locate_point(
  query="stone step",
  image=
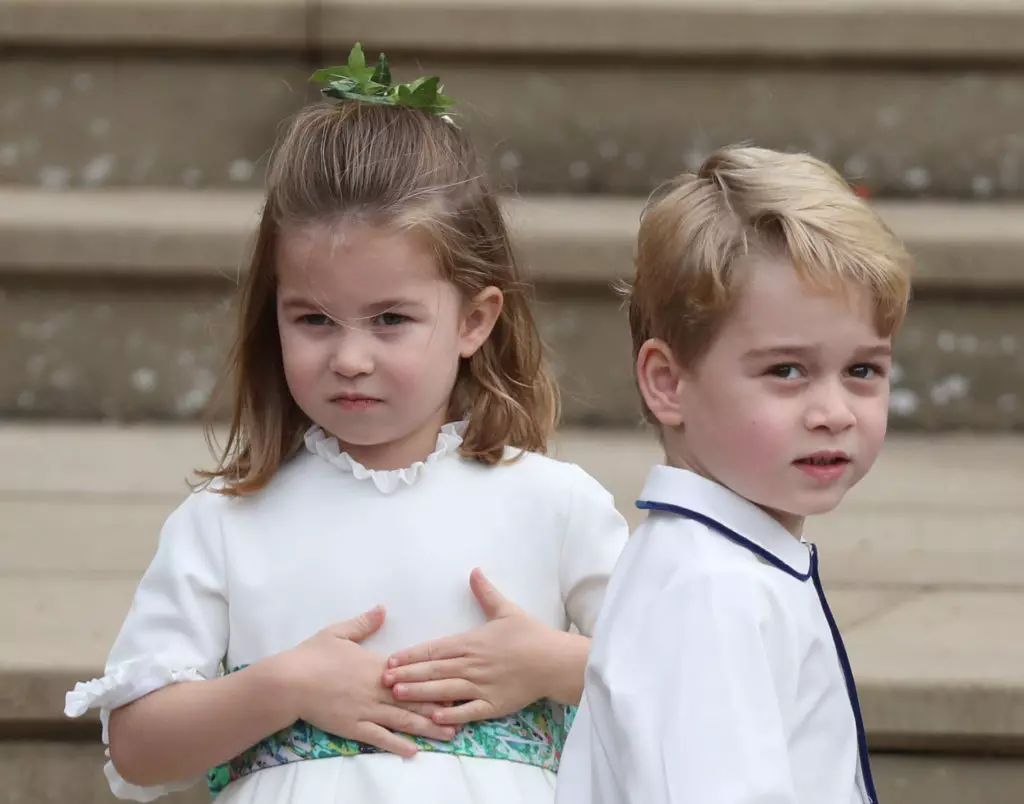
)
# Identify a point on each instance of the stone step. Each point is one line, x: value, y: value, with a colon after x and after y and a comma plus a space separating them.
x: 923, y: 566
x: 909, y: 97
x: 51, y: 772
x: 116, y: 303
x: 910, y: 30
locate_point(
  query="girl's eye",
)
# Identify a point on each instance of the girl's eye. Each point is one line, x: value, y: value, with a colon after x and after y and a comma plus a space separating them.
x: 389, y: 320
x: 785, y: 371
x: 866, y: 371
x: 316, y: 320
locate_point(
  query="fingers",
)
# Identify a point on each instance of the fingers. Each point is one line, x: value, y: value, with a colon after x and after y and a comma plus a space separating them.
x: 440, y: 649
x: 427, y: 710
x: 359, y: 628
x: 399, y: 719
x: 372, y: 734
x: 425, y: 671
x: 450, y: 689
x: 465, y: 713
x: 492, y: 602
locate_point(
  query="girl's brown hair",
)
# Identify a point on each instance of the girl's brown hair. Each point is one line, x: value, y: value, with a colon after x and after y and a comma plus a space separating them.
x: 393, y: 167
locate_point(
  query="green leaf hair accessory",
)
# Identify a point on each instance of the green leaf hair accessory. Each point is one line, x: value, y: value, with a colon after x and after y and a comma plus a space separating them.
x: 357, y: 82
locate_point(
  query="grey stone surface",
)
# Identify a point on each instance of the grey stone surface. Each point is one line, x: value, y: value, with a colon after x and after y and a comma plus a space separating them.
x: 182, y: 234
x: 156, y: 23
x: 909, y: 29
x: 909, y: 779
x: 97, y: 120
x: 51, y: 772
x: 203, y: 121
x: 136, y: 350
x: 69, y: 773
x: 853, y: 29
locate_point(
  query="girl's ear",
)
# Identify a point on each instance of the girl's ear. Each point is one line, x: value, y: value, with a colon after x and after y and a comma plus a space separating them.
x: 481, y: 314
x: 660, y: 380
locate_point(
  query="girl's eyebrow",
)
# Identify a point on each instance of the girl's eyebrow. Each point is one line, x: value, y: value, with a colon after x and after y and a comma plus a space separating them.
x: 298, y: 301
x: 390, y: 304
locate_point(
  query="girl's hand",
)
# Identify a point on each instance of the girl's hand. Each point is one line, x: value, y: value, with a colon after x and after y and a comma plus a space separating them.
x: 493, y: 670
x: 337, y: 687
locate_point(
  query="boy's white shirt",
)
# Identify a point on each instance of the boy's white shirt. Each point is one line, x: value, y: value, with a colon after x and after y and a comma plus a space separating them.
x: 713, y: 674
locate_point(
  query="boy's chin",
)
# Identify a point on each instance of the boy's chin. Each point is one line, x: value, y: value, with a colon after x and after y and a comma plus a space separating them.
x: 815, y: 503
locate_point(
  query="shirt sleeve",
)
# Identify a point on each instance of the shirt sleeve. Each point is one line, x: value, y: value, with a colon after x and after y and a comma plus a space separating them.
x: 594, y: 537
x: 176, y: 629
x: 687, y: 704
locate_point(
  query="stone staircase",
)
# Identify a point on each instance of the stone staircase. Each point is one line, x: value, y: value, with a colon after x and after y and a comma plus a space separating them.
x: 133, y: 138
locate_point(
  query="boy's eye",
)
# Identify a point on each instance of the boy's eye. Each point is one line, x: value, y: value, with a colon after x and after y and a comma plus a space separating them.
x: 866, y: 371
x: 316, y: 320
x: 785, y: 371
x: 389, y: 320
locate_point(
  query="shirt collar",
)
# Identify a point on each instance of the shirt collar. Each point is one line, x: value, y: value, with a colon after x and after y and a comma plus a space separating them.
x: 735, y: 517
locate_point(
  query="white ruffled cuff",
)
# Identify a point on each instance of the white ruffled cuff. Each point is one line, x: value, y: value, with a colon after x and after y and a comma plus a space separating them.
x: 132, y: 792
x: 122, y: 685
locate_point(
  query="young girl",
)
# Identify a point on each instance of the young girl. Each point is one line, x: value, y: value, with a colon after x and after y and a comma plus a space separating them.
x: 390, y: 412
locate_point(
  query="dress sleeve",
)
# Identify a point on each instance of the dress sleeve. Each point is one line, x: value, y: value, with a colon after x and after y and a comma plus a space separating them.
x: 689, y: 704
x: 594, y: 537
x: 176, y: 629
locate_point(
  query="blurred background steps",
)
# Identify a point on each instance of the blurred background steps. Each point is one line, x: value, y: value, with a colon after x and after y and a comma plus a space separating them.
x: 133, y: 141
x: 581, y: 107
x: 913, y: 98
x: 930, y: 599
x: 114, y: 303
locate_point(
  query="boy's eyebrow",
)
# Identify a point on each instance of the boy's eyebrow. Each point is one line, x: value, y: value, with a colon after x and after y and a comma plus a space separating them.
x: 875, y: 350
x: 878, y: 350
x: 779, y: 351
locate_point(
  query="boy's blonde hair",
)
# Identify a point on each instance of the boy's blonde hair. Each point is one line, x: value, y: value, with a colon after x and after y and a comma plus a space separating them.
x: 746, y: 200
x: 405, y: 169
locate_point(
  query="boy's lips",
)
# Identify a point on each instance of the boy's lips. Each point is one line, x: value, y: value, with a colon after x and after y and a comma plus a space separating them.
x: 825, y: 465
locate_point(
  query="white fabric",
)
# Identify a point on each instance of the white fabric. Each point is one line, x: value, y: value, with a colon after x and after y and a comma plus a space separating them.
x: 237, y: 580
x: 713, y: 677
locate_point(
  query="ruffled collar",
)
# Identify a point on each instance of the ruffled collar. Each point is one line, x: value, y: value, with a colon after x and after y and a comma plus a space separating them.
x: 386, y: 480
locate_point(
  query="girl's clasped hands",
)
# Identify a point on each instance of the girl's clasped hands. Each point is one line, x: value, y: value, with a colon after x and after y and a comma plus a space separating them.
x: 427, y: 690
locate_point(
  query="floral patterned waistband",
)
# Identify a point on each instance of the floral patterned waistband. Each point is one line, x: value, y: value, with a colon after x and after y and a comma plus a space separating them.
x: 532, y: 736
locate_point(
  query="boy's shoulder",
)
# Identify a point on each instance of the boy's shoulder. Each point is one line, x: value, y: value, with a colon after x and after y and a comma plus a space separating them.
x: 690, y: 558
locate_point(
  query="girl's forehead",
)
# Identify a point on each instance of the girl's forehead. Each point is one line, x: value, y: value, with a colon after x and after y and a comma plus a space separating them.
x: 353, y: 258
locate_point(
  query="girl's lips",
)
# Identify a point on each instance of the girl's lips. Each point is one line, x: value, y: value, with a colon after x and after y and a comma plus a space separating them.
x: 355, y: 403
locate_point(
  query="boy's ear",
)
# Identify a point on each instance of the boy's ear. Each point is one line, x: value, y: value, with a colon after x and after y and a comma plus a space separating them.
x: 480, y: 317
x: 659, y: 378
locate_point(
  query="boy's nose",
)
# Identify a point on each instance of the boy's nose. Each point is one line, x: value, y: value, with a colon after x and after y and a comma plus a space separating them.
x: 830, y: 409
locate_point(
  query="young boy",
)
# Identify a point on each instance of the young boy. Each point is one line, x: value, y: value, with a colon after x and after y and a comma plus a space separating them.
x: 763, y: 311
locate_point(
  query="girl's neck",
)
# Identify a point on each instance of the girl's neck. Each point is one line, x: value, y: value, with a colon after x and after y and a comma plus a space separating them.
x: 402, y: 452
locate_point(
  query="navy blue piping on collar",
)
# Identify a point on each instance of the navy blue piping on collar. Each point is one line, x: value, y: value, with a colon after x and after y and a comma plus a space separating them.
x: 837, y: 639
x: 851, y: 686
x: 729, y: 533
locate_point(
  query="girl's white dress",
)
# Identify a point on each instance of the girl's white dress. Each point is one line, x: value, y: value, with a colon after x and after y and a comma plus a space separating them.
x: 236, y: 580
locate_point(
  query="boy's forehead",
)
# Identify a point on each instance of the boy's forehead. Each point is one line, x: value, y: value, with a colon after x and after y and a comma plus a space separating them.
x: 775, y: 302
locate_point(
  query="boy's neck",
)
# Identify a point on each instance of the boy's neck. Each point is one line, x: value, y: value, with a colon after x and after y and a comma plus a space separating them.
x: 791, y: 522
